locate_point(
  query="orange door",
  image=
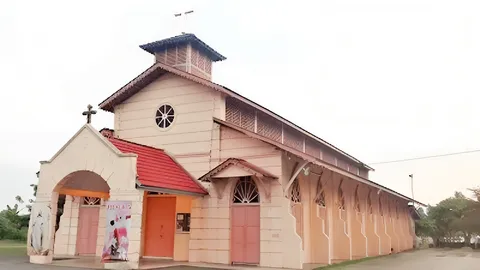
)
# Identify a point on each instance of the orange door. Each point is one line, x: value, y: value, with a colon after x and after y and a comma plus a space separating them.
x: 160, y: 227
x: 246, y: 234
x: 87, y: 233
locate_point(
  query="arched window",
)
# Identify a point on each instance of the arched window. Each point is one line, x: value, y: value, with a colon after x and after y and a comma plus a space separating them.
x: 91, y: 201
x: 357, y: 200
x: 369, y: 202
x: 246, y: 191
x: 380, y: 206
x: 295, y: 196
x: 341, y: 197
x: 320, y: 197
x: 396, y: 209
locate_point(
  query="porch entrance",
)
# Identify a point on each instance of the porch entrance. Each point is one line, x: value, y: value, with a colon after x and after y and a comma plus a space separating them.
x: 87, y: 189
x: 87, y: 233
x: 245, y: 223
x: 160, y: 227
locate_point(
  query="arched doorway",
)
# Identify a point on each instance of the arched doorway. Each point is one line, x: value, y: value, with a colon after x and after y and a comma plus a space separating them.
x: 86, y: 189
x: 245, y: 245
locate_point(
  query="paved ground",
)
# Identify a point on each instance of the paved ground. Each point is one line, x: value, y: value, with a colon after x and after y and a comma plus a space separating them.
x: 438, y: 259
x: 21, y: 263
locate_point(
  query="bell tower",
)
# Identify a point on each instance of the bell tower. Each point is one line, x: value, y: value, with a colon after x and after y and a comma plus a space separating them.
x: 185, y: 52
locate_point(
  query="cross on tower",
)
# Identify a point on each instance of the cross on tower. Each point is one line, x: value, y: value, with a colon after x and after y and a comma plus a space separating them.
x: 184, y: 14
x: 89, y: 113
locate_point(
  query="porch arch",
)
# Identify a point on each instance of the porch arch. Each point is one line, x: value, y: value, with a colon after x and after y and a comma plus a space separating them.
x: 83, y: 183
x: 84, y: 189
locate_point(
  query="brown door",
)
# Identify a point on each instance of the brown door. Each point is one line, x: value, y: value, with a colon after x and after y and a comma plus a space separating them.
x: 160, y: 227
x: 87, y: 233
x: 245, y: 234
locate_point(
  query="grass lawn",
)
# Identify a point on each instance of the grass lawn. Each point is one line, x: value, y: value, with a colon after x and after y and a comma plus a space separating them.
x: 15, y: 248
x: 342, y: 265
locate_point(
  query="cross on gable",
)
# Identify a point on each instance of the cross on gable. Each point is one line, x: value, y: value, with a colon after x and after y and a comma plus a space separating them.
x: 89, y: 113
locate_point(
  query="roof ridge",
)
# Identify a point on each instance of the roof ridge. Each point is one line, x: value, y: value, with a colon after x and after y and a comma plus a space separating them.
x: 138, y: 144
x: 106, y: 104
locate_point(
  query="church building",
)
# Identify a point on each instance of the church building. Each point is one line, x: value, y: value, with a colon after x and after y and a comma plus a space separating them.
x: 208, y: 176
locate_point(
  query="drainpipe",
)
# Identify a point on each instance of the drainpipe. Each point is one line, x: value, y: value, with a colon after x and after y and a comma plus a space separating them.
x: 290, y: 182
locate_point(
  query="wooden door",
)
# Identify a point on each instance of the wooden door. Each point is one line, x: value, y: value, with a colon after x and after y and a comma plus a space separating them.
x: 160, y: 227
x: 245, y: 234
x: 87, y: 233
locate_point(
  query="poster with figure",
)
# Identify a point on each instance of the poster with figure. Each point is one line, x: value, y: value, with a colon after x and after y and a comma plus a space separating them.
x: 40, y: 229
x: 118, y: 218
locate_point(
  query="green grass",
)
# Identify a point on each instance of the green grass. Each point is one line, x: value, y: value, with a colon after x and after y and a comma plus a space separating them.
x: 12, y: 248
x: 346, y: 263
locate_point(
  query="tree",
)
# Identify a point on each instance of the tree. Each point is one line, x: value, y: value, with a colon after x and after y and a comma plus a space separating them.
x: 476, y: 193
x: 31, y: 201
x: 12, y: 224
x: 13, y: 213
x: 469, y: 222
x: 35, y: 187
x: 454, y: 216
x: 425, y: 227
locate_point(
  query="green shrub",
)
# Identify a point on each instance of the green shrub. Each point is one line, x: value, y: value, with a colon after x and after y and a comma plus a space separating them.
x: 8, y: 230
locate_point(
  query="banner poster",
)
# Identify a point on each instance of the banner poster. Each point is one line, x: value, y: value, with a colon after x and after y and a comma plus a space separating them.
x: 118, y: 218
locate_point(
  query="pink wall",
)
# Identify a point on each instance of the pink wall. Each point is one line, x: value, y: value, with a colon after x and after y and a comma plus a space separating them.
x: 331, y: 235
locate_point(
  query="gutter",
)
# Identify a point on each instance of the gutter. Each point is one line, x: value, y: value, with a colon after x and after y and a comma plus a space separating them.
x: 139, y: 185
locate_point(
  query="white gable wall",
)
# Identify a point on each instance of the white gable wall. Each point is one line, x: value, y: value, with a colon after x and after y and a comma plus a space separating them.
x: 189, y: 138
x: 88, y: 150
x: 199, y: 144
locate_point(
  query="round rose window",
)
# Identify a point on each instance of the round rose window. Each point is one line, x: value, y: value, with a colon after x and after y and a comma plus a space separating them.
x: 165, y: 116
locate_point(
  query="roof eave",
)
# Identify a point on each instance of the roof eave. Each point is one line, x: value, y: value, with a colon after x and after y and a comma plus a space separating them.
x: 317, y: 162
x: 169, y: 191
x: 116, y: 98
x: 234, y: 162
x: 155, y: 46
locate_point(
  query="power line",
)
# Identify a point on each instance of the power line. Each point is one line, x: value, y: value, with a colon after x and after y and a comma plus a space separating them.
x: 426, y: 157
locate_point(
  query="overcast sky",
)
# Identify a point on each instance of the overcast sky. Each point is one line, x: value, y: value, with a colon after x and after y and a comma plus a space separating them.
x: 382, y: 80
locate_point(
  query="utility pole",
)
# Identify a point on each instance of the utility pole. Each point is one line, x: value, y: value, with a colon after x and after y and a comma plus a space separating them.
x: 411, y: 184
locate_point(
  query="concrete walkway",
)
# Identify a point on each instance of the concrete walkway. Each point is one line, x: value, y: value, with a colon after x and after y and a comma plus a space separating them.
x: 438, y: 259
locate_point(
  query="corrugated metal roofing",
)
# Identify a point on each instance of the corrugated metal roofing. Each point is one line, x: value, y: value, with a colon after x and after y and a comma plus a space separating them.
x: 198, y: 44
x: 158, y: 69
x: 155, y: 168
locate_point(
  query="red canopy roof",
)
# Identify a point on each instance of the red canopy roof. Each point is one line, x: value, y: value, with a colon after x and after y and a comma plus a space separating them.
x: 157, y: 169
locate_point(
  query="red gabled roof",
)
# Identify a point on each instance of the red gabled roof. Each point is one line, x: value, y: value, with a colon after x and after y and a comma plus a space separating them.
x: 155, y: 168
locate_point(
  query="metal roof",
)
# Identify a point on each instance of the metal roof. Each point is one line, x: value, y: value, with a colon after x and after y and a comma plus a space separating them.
x: 183, y: 39
x: 158, y: 69
x: 155, y: 168
x: 315, y: 161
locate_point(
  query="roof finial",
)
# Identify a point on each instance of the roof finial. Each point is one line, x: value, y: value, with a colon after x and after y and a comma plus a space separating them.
x: 89, y: 113
x: 184, y: 14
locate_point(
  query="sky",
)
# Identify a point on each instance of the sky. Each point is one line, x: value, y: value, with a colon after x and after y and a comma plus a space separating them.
x: 381, y: 80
